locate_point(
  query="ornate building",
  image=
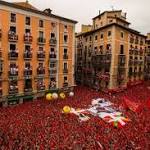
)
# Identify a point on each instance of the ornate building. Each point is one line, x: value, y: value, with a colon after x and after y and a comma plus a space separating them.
x: 111, y: 54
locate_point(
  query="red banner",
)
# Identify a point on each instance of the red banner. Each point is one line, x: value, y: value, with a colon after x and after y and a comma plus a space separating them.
x: 148, y: 103
x: 132, y: 105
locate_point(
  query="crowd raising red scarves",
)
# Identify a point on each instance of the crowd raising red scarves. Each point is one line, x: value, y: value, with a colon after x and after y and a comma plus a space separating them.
x: 42, y: 125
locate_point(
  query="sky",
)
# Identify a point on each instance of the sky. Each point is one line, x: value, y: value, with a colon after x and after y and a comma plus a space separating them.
x: 138, y: 11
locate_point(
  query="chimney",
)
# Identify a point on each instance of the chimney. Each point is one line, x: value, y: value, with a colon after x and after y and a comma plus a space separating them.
x: 48, y: 11
x: 99, y: 12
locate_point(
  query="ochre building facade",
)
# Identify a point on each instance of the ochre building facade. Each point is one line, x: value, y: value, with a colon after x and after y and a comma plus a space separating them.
x: 36, y: 51
x: 110, y: 55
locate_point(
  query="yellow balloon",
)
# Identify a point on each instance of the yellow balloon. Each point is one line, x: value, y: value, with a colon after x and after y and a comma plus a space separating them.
x: 49, y: 96
x: 66, y: 109
x: 62, y: 95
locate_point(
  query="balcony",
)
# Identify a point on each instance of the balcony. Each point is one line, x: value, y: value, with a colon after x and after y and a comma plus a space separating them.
x: 53, y: 71
x: 65, y: 70
x: 0, y: 34
x: 1, y: 69
x: 13, y: 90
x: 12, y: 37
x: 141, y: 52
x: 13, y: 72
x: 28, y: 38
x: 121, y: 60
x: 40, y: 71
x: 131, y: 40
x: 0, y: 53
x: 140, y: 73
x: 1, y: 92
x: 52, y: 57
x: 136, y: 52
x: 148, y: 59
x: 136, y: 62
x: 41, y: 41
x: 136, y: 41
x: 120, y: 77
x: 41, y: 55
x: 65, y: 84
x: 79, y: 46
x: 140, y: 62
x: 28, y: 90
x: 65, y: 56
x: 135, y: 74
x: 27, y: 72
x: 40, y: 87
x: 52, y: 85
x: 131, y: 62
x: 131, y: 51
x: 53, y: 41
x: 27, y: 55
x: 130, y: 74
x: 108, y: 58
x: 13, y: 55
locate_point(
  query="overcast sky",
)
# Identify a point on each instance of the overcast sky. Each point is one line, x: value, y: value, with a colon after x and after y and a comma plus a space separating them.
x: 138, y: 11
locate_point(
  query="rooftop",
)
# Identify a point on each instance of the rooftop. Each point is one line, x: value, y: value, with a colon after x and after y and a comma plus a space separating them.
x: 28, y: 7
x: 108, y: 25
x: 107, y: 12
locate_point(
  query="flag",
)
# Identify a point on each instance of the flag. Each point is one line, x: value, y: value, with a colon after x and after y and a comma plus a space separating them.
x: 132, y: 105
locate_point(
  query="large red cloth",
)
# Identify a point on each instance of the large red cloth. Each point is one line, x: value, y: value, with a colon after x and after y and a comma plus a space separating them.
x: 131, y: 104
x: 148, y: 103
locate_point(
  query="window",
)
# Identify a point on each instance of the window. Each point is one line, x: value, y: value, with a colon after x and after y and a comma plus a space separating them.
x: 27, y: 47
x: 131, y: 57
x: 52, y: 35
x: 96, y: 38
x: 65, y: 26
x: 65, y: 66
x: 102, y: 36
x: 12, y: 29
x: 53, y: 24
x: 110, y: 21
x: 108, y: 46
x: 41, y: 48
x: 13, y: 85
x: 1, y: 67
x: 90, y: 38
x: 52, y: 65
x: 52, y: 50
x: 40, y: 64
x: 122, y: 35
x: 12, y: 47
x: 41, y: 23
x: 109, y: 33
x: 65, y: 51
x: 27, y: 20
x: 41, y: 34
x: 65, y: 79
x: 121, y: 49
x: 130, y: 69
x: 27, y: 65
x: 28, y: 84
x: 65, y: 38
x: 27, y: 31
x: 13, y: 17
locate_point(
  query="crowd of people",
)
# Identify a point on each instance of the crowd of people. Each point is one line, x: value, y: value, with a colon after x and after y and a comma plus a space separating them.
x: 41, y: 125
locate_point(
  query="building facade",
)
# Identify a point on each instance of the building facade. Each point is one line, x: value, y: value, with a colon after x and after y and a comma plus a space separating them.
x: 110, y: 55
x: 147, y: 58
x: 36, y: 51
